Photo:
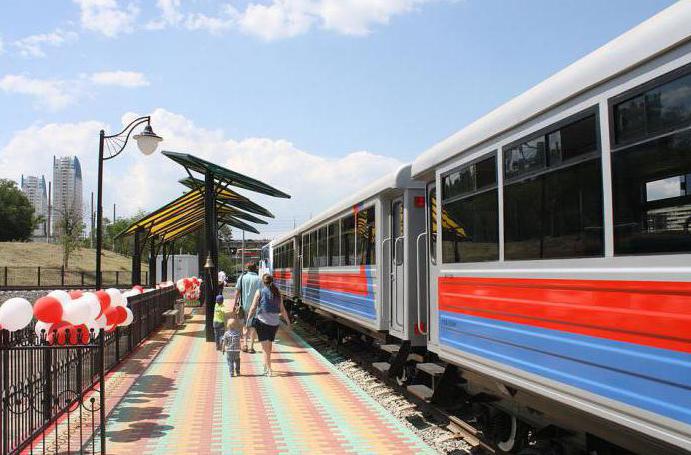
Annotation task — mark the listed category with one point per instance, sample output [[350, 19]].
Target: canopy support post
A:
[[152, 263], [211, 233], [137, 259], [164, 262]]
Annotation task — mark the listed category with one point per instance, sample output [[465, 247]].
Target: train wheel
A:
[[507, 432]]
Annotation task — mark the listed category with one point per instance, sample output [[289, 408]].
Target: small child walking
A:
[[231, 345]]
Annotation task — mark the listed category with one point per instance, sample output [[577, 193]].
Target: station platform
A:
[[175, 396]]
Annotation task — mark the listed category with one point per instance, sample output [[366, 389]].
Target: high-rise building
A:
[[67, 191], [35, 190]]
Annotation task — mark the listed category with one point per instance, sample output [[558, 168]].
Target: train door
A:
[[397, 269], [432, 268]]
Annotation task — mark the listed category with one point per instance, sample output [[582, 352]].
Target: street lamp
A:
[[113, 145]]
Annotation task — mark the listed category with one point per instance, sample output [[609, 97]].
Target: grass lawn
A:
[[22, 260]]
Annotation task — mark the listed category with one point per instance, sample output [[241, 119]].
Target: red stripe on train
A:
[[649, 313], [283, 274], [351, 283]]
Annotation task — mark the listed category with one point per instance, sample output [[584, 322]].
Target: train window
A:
[[651, 179], [470, 229], [291, 256], [432, 226], [557, 212], [322, 252], [658, 110], [334, 247], [397, 219], [651, 184], [525, 158], [313, 248], [306, 250], [348, 240], [366, 232]]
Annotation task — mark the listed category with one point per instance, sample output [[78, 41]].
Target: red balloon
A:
[[104, 300], [138, 288], [121, 315], [58, 333], [110, 328], [75, 294], [48, 309], [115, 315], [82, 333]]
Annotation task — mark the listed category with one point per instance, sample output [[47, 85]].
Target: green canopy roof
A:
[[229, 196], [223, 175]]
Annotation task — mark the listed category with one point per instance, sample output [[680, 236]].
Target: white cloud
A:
[[279, 19], [56, 94], [107, 16], [32, 46], [49, 93], [170, 15], [120, 78], [137, 182], [211, 24]]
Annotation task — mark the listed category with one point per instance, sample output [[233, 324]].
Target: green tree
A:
[[70, 230], [16, 213]]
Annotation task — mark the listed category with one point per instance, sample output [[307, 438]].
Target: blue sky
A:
[[336, 88]]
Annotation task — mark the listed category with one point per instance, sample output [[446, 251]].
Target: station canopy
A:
[[186, 214]]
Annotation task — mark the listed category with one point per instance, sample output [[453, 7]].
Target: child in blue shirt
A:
[[231, 345]]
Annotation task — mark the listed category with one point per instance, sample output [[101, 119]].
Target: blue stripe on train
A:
[[358, 305], [657, 380]]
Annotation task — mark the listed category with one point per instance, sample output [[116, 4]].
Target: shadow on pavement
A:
[[141, 418]]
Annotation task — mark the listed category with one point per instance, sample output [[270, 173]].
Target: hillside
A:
[[34, 254]]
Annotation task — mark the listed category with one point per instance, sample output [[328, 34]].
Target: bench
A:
[[170, 318]]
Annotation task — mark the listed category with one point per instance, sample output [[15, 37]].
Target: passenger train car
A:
[[552, 261], [345, 260]]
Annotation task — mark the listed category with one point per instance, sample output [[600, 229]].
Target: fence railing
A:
[[42, 384], [59, 277]]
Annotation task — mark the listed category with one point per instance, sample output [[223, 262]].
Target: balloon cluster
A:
[[189, 288], [70, 317]]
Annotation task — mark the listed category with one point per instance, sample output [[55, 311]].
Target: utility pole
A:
[[50, 208], [113, 233], [91, 218]]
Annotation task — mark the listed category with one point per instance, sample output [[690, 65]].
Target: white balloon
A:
[[115, 297], [77, 312], [94, 304], [15, 314], [129, 318], [62, 296], [40, 325], [100, 322]]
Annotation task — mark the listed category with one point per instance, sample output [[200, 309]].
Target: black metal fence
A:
[[45, 385], [59, 277]]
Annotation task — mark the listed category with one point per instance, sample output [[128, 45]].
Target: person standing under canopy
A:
[[247, 286]]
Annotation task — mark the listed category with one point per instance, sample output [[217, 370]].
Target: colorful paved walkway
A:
[[185, 402]]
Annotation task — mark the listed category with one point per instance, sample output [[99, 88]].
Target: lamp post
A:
[[113, 145]]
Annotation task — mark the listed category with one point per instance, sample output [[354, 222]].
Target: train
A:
[[542, 254]]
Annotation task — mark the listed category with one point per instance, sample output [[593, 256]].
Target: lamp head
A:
[[147, 140]]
